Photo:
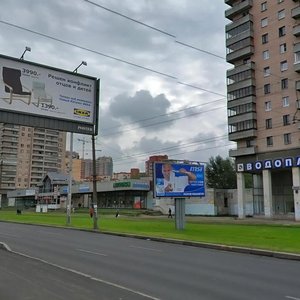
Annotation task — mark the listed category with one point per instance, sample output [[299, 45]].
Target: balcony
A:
[[241, 135], [297, 67], [241, 84], [242, 117], [296, 12], [229, 2], [243, 151], [236, 23], [237, 9], [298, 85], [239, 54], [241, 68], [243, 35], [296, 30]]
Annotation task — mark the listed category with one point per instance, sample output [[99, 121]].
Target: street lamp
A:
[[26, 49], [82, 63]]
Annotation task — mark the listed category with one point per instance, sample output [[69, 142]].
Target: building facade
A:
[[150, 162], [27, 154], [263, 45]]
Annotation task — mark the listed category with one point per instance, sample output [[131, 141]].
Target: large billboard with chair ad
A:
[[34, 89], [178, 180]]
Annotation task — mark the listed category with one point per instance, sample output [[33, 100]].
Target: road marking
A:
[[10, 235], [5, 246], [87, 276], [144, 248], [293, 298], [91, 252]]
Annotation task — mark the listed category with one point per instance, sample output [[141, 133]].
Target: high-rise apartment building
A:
[[263, 88], [104, 167], [27, 154]]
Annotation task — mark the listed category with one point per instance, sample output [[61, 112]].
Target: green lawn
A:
[[272, 237]]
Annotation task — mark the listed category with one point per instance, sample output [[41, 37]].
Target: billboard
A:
[[41, 91], [178, 180]]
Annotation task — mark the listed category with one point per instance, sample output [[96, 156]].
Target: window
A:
[[263, 6], [268, 106], [264, 22], [285, 101], [283, 66], [284, 83], [266, 54], [281, 31], [283, 48], [281, 14], [250, 143], [286, 120], [287, 138], [268, 123], [265, 38], [267, 88], [269, 141], [267, 71], [297, 57], [246, 61]]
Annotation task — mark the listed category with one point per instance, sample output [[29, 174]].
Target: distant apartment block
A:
[[27, 154]]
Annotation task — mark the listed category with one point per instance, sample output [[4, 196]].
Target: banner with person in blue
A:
[[178, 180]]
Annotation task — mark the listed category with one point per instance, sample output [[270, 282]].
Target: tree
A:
[[220, 173]]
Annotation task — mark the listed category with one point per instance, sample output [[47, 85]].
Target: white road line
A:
[[88, 276], [293, 298], [144, 248], [5, 246], [91, 252], [10, 235]]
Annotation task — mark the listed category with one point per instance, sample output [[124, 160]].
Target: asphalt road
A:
[[148, 269]]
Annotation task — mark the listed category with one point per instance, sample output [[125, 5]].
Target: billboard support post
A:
[[94, 199], [69, 199], [180, 213]]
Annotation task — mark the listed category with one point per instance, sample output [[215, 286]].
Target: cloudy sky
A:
[[161, 65]]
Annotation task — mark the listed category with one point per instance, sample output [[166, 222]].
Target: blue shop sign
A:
[[277, 163]]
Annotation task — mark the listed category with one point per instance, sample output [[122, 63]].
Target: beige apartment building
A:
[[263, 88], [27, 154]]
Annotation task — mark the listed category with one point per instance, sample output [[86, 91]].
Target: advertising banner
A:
[[40, 90], [178, 180]]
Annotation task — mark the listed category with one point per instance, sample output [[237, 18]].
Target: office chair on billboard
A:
[[13, 86], [39, 93]]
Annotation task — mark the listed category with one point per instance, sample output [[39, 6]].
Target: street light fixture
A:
[[84, 63], [26, 49]]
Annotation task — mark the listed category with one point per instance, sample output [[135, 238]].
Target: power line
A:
[[154, 28], [164, 115], [161, 122], [201, 50], [131, 19], [87, 49]]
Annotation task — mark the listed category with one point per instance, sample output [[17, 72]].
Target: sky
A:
[[161, 64]]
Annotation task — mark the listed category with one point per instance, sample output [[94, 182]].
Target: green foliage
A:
[[262, 236], [220, 173]]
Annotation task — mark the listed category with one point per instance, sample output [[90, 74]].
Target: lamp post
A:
[[26, 49]]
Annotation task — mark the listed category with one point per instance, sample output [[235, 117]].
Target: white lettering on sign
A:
[[258, 165], [278, 163], [288, 162], [268, 164]]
